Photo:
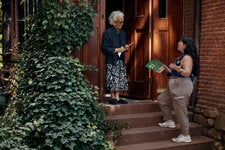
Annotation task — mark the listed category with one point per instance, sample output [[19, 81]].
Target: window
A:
[[162, 9]]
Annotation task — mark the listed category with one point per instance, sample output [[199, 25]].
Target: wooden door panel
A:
[[160, 47], [136, 75], [160, 52], [137, 28], [165, 32]]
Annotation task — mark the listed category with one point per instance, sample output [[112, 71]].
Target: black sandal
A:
[[113, 101], [121, 101]]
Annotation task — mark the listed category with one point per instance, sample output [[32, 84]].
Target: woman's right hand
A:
[[121, 49]]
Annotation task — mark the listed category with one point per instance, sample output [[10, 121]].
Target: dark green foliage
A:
[[59, 29], [1, 24], [3, 102], [55, 107]]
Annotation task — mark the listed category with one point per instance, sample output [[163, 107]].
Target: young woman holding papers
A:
[[180, 87]]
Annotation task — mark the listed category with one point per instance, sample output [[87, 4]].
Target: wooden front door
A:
[[154, 27], [167, 28]]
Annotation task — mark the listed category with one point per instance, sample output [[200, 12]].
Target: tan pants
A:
[[177, 96]]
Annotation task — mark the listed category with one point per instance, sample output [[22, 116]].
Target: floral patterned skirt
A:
[[116, 77]]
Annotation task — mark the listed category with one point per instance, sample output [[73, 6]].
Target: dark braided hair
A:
[[191, 50]]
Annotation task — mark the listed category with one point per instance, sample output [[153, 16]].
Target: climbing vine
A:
[[54, 107]]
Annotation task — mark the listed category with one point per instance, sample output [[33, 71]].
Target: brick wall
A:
[[188, 17], [211, 88]]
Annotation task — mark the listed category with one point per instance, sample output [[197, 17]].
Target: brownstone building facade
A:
[[204, 20]]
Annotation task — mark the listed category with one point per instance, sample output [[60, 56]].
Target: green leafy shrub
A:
[[55, 107]]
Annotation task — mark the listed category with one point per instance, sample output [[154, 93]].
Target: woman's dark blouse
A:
[[113, 39]]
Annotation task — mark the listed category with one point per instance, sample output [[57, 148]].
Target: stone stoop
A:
[[143, 133]]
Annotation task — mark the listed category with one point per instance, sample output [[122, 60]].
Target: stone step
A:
[[198, 143], [138, 119], [153, 133], [133, 106], [143, 133]]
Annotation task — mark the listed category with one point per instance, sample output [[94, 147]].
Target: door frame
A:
[[172, 40]]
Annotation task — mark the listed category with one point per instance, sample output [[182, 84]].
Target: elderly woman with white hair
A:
[[114, 46]]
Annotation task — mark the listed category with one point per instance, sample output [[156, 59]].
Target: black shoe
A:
[[113, 101], [121, 101]]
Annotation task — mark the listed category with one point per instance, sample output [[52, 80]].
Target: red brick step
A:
[[198, 143], [137, 119], [154, 133], [134, 106], [143, 116]]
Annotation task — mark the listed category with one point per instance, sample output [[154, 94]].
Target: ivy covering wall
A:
[[54, 106]]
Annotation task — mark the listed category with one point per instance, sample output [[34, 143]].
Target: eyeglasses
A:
[[119, 22]]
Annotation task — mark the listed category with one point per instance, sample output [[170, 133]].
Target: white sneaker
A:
[[167, 124], [182, 139]]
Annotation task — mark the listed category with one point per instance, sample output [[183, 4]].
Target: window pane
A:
[[162, 8]]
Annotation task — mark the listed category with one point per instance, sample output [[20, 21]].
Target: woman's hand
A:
[[175, 67], [121, 49], [185, 67]]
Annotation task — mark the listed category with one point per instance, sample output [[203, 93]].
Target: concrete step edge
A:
[[168, 144]]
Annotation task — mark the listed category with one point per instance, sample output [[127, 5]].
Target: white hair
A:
[[113, 16]]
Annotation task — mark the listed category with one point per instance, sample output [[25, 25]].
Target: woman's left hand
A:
[[185, 66], [175, 67]]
